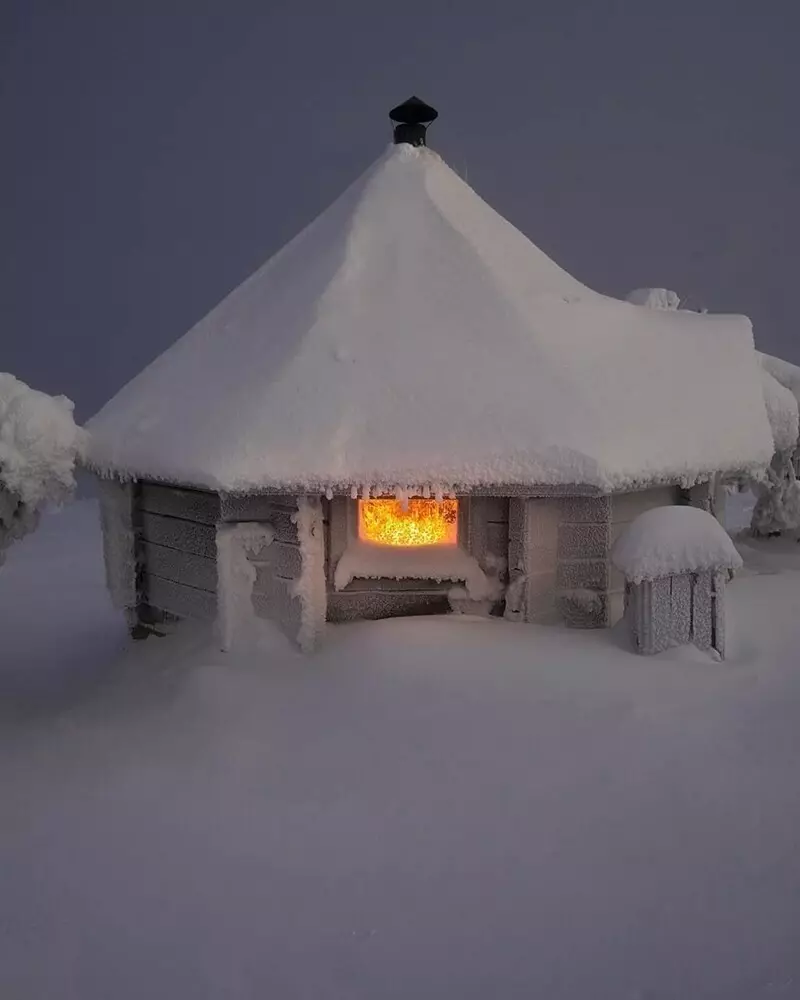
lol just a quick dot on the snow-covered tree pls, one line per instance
(39, 443)
(777, 509)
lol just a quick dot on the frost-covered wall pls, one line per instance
(187, 553)
(238, 547)
(176, 551)
(283, 581)
(559, 556)
(119, 543)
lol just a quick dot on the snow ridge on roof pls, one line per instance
(410, 335)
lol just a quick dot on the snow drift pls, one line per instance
(411, 336)
(39, 443)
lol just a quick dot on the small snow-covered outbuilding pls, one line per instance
(419, 410)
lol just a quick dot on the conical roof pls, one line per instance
(412, 336)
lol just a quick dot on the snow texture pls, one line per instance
(654, 298)
(784, 371)
(119, 542)
(411, 337)
(431, 808)
(39, 443)
(310, 588)
(666, 541)
(424, 562)
(236, 575)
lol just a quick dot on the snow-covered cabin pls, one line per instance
(410, 408)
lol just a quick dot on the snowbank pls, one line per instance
(39, 443)
(669, 540)
(410, 337)
(432, 808)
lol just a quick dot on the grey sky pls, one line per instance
(155, 153)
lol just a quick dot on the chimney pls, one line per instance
(413, 118)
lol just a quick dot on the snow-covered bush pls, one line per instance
(777, 508)
(39, 443)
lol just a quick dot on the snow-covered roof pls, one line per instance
(411, 335)
(668, 540)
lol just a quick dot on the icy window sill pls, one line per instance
(429, 562)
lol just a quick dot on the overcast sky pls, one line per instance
(155, 152)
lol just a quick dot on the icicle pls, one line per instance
(401, 494)
(329, 494)
(426, 491)
(354, 493)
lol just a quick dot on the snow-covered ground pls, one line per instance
(426, 808)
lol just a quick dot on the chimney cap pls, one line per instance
(413, 112)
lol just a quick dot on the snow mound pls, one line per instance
(654, 298)
(412, 337)
(669, 540)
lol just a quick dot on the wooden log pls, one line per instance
(175, 533)
(255, 506)
(344, 606)
(191, 505)
(180, 567)
(178, 599)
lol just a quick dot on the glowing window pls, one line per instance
(418, 522)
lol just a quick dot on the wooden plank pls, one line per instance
(338, 533)
(278, 559)
(387, 586)
(175, 533)
(343, 607)
(255, 506)
(583, 541)
(681, 608)
(180, 600)
(180, 567)
(627, 506)
(577, 510)
(280, 606)
(191, 505)
(489, 509)
(703, 609)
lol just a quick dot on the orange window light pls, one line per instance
(419, 522)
